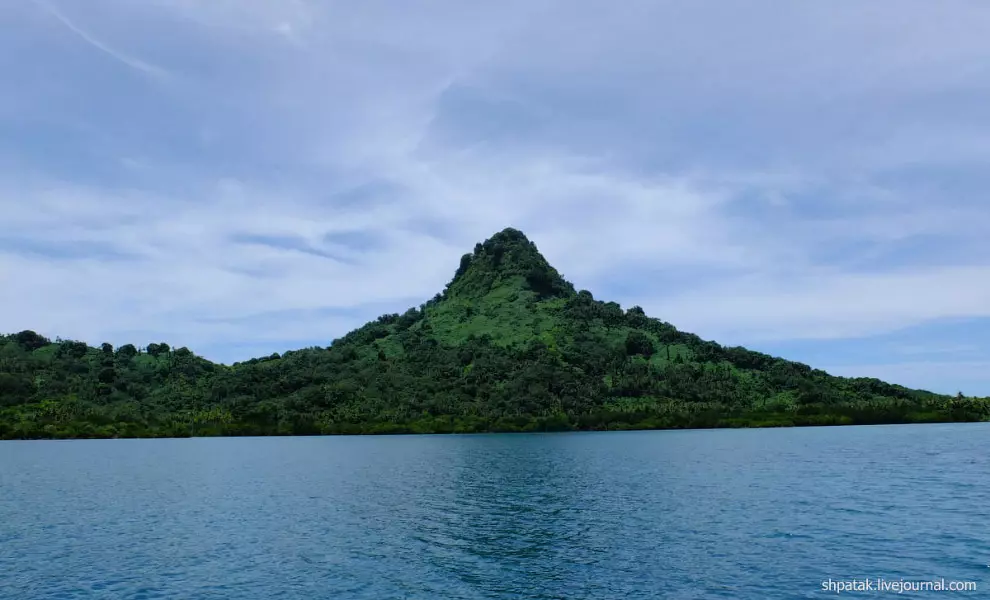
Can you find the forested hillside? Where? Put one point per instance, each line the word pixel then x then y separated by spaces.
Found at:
pixel 508 346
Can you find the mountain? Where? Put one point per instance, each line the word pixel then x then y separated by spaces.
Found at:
pixel 509 345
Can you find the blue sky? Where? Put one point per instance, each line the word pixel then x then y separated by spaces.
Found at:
pixel 250 176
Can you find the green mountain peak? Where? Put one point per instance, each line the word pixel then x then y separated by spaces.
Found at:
pixel 508 258
pixel 509 346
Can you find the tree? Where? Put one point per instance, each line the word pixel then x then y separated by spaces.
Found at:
pixel 30 340
pixel 72 349
pixel 107 375
pixel 638 343
pixel 127 351
pixel 158 349
pixel 464 266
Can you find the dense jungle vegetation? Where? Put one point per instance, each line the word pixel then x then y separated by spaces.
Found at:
pixel 508 346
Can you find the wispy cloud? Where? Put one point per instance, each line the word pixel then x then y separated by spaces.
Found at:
pixel 82 34
pixel 936 348
pixel 813 175
pixel 284 242
pixel 61 249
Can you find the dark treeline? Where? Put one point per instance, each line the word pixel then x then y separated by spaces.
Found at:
pixel 508 346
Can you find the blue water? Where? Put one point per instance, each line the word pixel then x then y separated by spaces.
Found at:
pixel 745 514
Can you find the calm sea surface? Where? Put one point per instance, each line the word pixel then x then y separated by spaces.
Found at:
pixel 743 514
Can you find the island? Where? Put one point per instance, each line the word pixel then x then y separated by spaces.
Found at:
pixel 508 346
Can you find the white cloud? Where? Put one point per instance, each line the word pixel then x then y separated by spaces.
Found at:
pixel 831 305
pixel 188 264
pixel 714 168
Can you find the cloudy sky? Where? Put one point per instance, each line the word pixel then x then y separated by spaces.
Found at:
pixel 248 176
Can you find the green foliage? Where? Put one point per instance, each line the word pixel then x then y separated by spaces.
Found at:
pixel 507 255
pixel 639 343
pixel 508 346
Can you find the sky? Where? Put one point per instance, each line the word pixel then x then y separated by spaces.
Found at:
pixel 243 177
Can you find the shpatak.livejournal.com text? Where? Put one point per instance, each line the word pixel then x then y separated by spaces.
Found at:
pixel 897 586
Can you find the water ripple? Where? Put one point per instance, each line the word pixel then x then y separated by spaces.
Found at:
pixel 694 514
